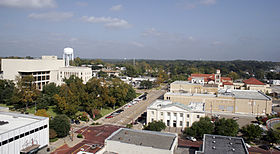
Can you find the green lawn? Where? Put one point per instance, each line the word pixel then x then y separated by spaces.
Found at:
pixel 104 111
pixel 4 105
pixel 277 126
pixel 50 111
pixel 138 94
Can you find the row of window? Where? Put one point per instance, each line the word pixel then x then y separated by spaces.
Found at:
pixel 22 135
pixel 175 114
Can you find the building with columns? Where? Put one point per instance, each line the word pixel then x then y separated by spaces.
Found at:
pixel 175 114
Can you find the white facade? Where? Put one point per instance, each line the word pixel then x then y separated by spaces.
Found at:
pixel 175 114
pixel 84 73
pixel 43 70
pixel 22 131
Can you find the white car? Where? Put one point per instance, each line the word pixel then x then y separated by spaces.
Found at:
pixel 277 147
pixel 191 138
pixel 248 145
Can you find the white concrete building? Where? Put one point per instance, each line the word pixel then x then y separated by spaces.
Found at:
pixel 83 73
pixel 130 141
pixel 175 114
pixel 21 133
pixel 43 70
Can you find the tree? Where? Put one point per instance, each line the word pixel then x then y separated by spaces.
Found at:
pixel 6 91
pixel 226 127
pixel 251 132
pixel 155 126
pixel 272 137
pixel 199 128
pixel 42 113
pixel 61 125
pixel 146 84
pixel 233 75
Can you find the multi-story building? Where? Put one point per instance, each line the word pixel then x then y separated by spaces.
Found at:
pixel 188 87
pixel 234 101
pixel 45 70
pixel 175 114
pixel 21 133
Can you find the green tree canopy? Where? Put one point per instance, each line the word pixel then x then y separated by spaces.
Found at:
pixel 155 126
pixel 6 91
pixel 251 132
pixel 226 127
pixel 199 128
pixel 61 125
pixel 272 137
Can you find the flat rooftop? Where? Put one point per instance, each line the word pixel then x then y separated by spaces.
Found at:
pixel 15 121
pixel 146 138
pixel 216 144
pixel 158 104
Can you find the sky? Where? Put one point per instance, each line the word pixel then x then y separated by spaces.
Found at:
pixel 142 29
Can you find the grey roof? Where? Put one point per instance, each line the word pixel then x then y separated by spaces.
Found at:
pixel 216 144
pixel 144 138
pixel 250 94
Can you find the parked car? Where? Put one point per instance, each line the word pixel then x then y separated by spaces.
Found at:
pixel 277 147
pixel 265 147
pixel 248 145
pixel 235 118
pixel 119 111
pixel 191 138
pixel 109 116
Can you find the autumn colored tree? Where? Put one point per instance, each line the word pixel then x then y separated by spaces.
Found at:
pixel 42 113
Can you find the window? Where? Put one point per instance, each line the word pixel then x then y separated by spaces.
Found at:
pixel 32 131
pixel 181 123
pixel 153 112
pixel 27 133
pixel 168 113
pixel 175 114
pixel 41 128
pixel 21 135
pixel 181 114
pixel 37 129
pixel 161 113
pixel 11 140
pixel 45 126
pixel 152 119
pixel 188 124
pixel 188 115
pixel 4 142
pixel 16 137
pixel 197 116
pixel 168 122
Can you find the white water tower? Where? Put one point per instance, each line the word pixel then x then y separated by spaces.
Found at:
pixel 68 55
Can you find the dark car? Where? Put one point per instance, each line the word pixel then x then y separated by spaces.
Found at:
pixel 265 147
pixel 119 111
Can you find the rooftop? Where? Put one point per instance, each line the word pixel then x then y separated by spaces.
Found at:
pixel 16 121
pixel 253 81
pixel 146 138
pixel 158 104
pixel 216 144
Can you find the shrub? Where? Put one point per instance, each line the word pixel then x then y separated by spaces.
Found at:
pixel 96 123
pixel 80 136
pixel 129 126
pixel 155 126
pixel 97 117
pixel 52 134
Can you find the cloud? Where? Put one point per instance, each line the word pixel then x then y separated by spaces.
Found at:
pixel 51 16
pixel 108 22
pixel 116 7
pixel 152 32
pixel 207 2
pixel 82 3
pixel 137 44
pixel 216 43
pixel 35 4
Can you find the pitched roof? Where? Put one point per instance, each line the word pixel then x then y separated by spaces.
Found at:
pixel 253 81
pixel 227 83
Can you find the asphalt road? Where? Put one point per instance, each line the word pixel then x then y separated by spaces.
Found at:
pixel 132 113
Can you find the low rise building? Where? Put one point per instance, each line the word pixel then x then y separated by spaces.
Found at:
pixel 254 84
pixel 21 133
pixel 217 144
pixel 234 101
pixel 188 87
pixel 130 141
pixel 175 114
pixel 83 73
